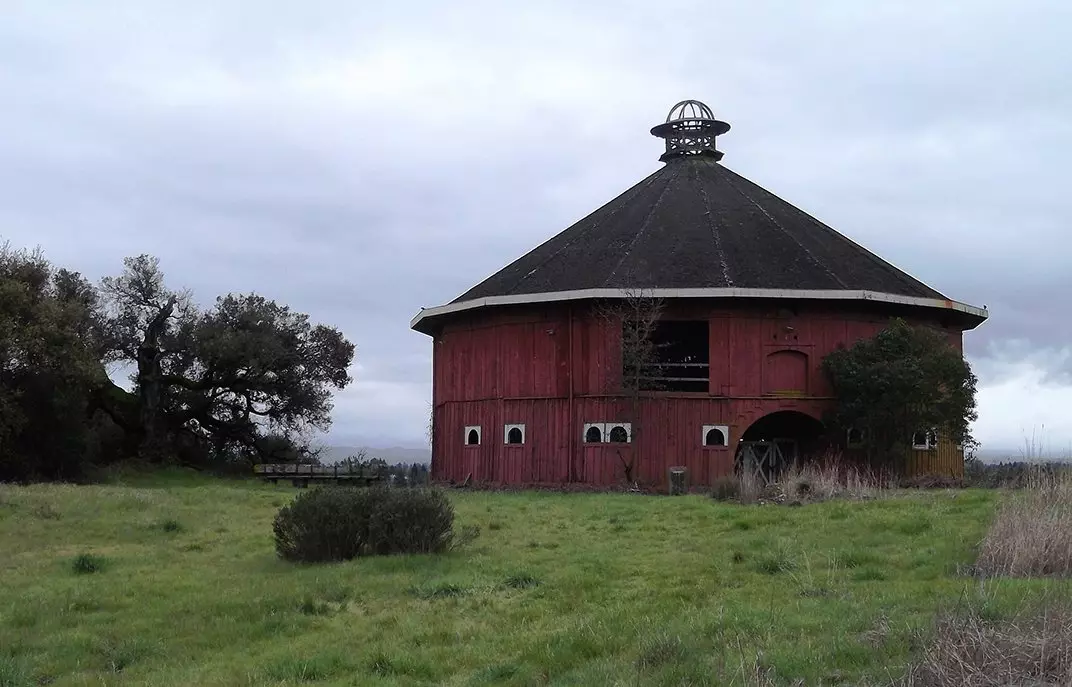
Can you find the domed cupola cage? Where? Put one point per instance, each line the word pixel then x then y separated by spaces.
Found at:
pixel 690 129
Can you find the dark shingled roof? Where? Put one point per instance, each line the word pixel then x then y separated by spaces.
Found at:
pixel 696 224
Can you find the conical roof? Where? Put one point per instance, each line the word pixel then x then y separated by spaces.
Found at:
pixel 696 224
pixel 696 228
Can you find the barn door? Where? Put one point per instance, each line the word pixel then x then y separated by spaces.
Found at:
pixel 765 459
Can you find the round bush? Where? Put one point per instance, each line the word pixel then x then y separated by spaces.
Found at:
pixel 340 523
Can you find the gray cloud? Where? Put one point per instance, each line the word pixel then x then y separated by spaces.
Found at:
pixel 360 162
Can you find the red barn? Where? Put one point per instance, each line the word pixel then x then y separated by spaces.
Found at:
pixel 530 379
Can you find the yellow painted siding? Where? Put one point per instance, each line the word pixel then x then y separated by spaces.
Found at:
pixel 945 459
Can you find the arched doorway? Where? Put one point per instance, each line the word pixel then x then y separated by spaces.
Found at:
pixel 776 441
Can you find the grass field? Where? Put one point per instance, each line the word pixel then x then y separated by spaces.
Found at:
pixel 578 589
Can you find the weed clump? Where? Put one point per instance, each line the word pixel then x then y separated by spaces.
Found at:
pixel 661 650
pixel 337 524
pixel 445 590
pixel 87 564
pixel 170 525
pixel 311 606
pixel 522 580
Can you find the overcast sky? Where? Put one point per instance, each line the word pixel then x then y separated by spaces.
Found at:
pixel 359 160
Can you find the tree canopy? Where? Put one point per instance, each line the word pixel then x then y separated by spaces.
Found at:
pixel 246 377
pixel 906 379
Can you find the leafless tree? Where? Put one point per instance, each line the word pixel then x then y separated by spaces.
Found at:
pixel 637 313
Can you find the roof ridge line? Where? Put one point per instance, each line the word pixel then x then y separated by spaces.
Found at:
pixel 903 276
pixel 715 235
pixel 778 224
pixel 643 227
pixel 631 191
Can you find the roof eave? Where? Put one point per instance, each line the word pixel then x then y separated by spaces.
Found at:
pixel 423 321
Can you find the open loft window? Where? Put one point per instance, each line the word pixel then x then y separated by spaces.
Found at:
pixel 716 435
pixel 472 435
pixel 514 435
pixel 608 432
pixel 674 356
pixel 925 439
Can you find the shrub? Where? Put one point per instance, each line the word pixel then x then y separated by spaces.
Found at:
pixel 86 564
pixel 725 488
pixel 1031 535
pixel 336 524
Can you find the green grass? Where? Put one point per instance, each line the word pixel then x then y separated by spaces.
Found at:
pixel 564 589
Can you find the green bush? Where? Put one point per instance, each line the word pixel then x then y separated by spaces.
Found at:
pixel 339 523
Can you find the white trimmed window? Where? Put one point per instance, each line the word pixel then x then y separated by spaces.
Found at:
pixel 619 432
pixel 472 435
pixel 608 432
pixel 514 434
pixel 716 435
pixel 924 439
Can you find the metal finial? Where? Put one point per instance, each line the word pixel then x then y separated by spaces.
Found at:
pixel 690 129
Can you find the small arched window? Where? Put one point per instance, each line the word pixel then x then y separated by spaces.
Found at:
pixel 593 435
pixel 514 434
pixel 618 435
pixel 714 437
pixel 472 436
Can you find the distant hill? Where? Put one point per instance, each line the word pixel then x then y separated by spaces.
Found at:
pixel 1015 455
pixel 392 454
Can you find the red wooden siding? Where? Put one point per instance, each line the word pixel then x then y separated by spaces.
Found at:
pixel 786 373
pixel 556 368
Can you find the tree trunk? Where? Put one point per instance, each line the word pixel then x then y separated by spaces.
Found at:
pixel 149 386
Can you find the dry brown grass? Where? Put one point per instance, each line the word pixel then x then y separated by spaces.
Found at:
pixel 822 481
pixel 749 487
pixel 1032 648
pixel 810 482
pixel 1031 535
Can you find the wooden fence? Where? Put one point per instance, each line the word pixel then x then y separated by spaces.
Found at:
pixel 301 475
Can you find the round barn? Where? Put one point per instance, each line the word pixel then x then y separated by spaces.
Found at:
pixel 682 324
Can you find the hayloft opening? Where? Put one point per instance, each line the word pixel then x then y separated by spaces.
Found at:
pixel 677 358
pixel 593 435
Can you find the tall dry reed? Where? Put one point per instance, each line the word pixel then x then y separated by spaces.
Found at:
pixel 1031 535
pixel 969 649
